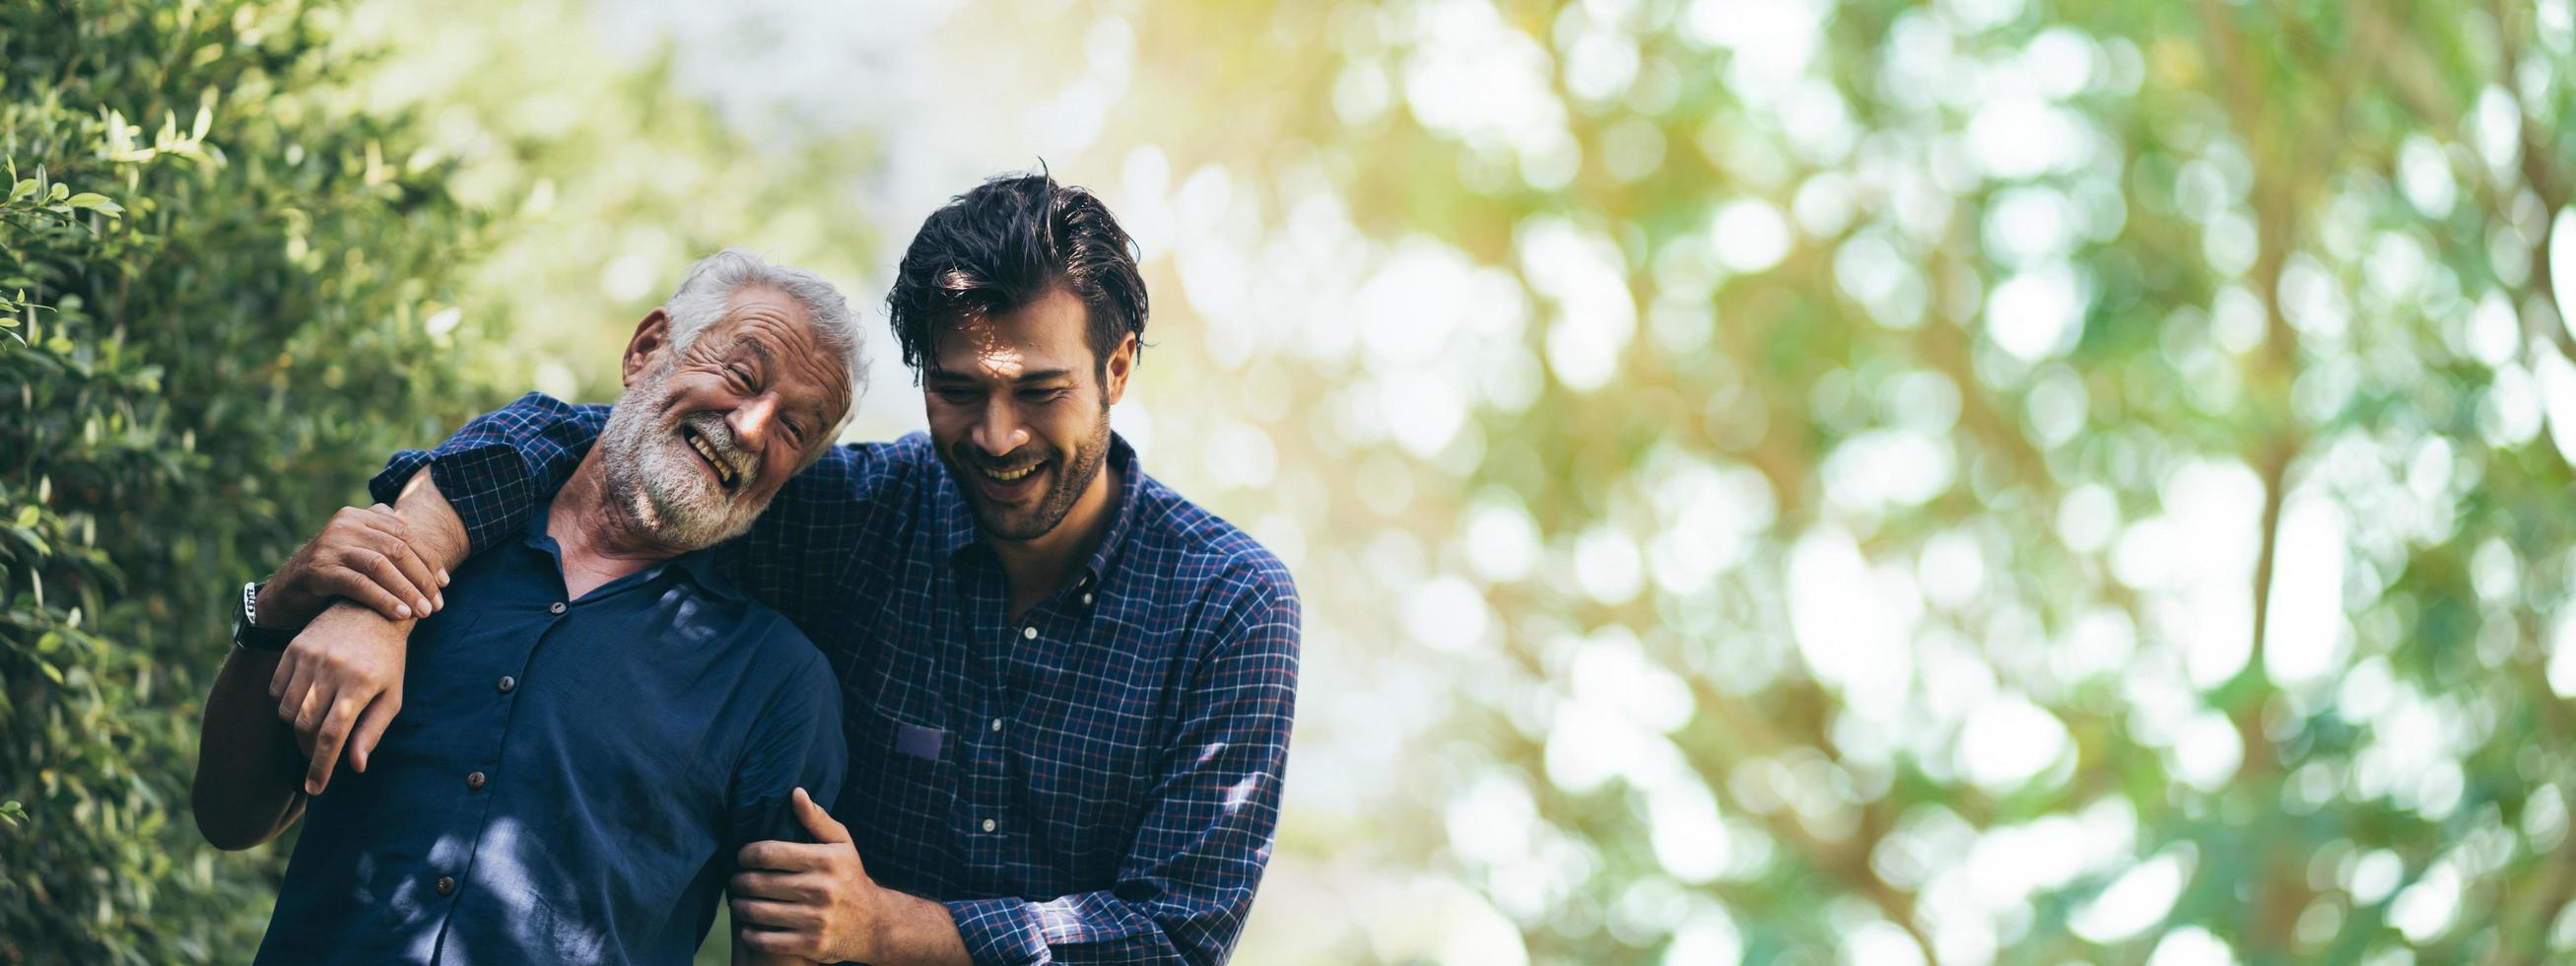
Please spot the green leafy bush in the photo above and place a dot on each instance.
(217, 269)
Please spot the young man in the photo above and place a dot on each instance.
(1067, 689)
(602, 718)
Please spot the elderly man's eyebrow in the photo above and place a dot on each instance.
(817, 413)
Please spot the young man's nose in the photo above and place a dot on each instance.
(1000, 431)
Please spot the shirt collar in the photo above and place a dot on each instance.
(954, 520)
(701, 566)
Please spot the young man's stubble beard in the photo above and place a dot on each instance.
(1071, 479)
(653, 477)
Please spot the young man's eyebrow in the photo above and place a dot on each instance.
(1042, 375)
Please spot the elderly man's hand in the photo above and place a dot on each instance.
(366, 554)
(340, 684)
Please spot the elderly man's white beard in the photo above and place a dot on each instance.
(656, 480)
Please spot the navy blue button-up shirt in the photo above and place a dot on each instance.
(568, 780)
(1094, 781)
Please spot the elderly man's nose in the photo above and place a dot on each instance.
(752, 421)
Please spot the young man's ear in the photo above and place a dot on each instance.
(652, 338)
(1115, 370)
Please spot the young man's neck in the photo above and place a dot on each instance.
(1038, 566)
(599, 542)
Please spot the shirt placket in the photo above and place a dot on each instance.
(452, 875)
(989, 824)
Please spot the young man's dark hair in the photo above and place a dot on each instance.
(1003, 245)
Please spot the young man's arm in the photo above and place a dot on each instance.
(1183, 890)
(497, 467)
(796, 746)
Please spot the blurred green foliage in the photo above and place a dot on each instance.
(217, 272)
(1993, 481)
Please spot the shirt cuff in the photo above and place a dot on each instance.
(999, 932)
(486, 484)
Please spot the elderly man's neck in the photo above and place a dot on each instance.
(600, 540)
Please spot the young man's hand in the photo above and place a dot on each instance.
(818, 902)
(340, 684)
(365, 554)
(794, 899)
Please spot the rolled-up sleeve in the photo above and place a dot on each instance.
(495, 467)
(1188, 879)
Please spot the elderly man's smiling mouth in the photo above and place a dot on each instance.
(723, 470)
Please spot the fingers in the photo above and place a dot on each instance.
(775, 942)
(334, 732)
(371, 727)
(366, 555)
(293, 678)
(416, 570)
(776, 915)
(366, 590)
(308, 719)
(783, 856)
(817, 821)
(787, 887)
(374, 565)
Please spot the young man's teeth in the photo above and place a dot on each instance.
(1008, 476)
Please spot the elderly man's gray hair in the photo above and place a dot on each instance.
(708, 289)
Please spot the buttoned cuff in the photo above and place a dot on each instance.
(485, 483)
(999, 932)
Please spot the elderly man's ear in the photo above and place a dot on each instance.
(652, 338)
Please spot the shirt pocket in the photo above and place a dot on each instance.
(902, 786)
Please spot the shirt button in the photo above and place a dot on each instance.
(474, 781)
(1030, 632)
(555, 608)
(506, 684)
(988, 825)
(446, 886)
(1086, 598)
(997, 724)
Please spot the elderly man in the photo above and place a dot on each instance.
(602, 718)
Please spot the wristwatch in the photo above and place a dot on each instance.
(246, 630)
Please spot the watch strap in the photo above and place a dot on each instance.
(246, 630)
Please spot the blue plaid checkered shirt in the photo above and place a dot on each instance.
(1096, 781)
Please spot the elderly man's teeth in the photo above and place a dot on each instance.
(724, 473)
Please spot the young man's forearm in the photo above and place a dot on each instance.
(248, 765)
(914, 931)
(437, 533)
